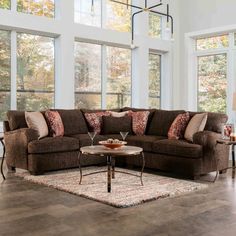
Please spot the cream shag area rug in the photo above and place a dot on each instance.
(126, 190)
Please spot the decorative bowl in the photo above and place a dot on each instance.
(112, 145)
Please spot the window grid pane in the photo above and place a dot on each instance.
(85, 14)
(87, 75)
(154, 25)
(5, 4)
(212, 83)
(118, 77)
(37, 7)
(5, 72)
(215, 42)
(154, 80)
(35, 72)
(118, 16)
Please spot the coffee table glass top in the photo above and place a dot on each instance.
(101, 150)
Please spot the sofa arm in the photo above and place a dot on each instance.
(16, 143)
(207, 139)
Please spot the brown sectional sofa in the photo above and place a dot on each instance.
(24, 150)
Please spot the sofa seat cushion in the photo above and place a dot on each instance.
(53, 144)
(178, 148)
(144, 141)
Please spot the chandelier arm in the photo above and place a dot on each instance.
(163, 14)
(167, 9)
(133, 15)
(160, 4)
(129, 5)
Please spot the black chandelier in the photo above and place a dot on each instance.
(146, 8)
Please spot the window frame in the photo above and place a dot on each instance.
(192, 66)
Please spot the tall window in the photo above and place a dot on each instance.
(35, 72)
(212, 83)
(5, 4)
(87, 75)
(115, 16)
(100, 64)
(37, 7)
(154, 80)
(5, 72)
(118, 77)
(212, 72)
(155, 25)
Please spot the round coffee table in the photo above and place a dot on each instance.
(111, 155)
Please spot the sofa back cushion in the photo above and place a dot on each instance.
(99, 110)
(115, 125)
(152, 111)
(161, 122)
(214, 121)
(73, 121)
(16, 120)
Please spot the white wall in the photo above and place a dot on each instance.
(196, 15)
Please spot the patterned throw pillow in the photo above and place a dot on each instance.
(139, 121)
(94, 120)
(178, 126)
(55, 124)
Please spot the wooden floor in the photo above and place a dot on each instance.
(31, 209)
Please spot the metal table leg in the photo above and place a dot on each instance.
(233, 161)
(113, 163)
(3, 156)
(80, 169)
(143, 164)
(108, 174)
